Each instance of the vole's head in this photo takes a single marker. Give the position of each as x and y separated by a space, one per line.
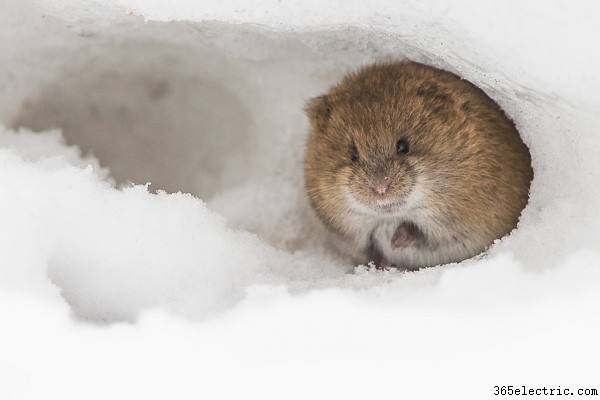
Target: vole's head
368 163
378 139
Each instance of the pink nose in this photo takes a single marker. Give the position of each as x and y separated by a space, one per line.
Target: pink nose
380 186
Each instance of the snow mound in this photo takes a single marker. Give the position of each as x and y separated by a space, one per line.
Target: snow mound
221 250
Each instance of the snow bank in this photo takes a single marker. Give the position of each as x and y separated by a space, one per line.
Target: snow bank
232 288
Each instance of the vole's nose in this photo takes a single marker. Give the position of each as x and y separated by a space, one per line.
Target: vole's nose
380 185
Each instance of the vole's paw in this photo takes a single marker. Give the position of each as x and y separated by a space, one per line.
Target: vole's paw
407 234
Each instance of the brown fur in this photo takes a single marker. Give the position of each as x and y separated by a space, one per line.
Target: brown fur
464 153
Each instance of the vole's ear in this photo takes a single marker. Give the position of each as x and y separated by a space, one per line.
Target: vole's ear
318 110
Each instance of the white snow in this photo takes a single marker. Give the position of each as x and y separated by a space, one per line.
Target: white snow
215 281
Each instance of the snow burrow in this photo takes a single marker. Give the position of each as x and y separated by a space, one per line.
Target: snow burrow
215 110
209 103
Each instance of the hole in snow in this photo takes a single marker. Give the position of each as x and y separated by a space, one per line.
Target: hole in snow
216 110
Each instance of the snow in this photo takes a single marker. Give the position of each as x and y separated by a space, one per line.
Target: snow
215 281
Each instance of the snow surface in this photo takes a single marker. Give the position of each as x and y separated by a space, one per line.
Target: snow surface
215 281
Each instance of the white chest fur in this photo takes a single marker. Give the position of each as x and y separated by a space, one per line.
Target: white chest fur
370 233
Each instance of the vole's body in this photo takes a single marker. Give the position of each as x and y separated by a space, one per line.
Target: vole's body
411 166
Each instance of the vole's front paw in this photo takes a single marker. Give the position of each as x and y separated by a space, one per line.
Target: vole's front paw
407 234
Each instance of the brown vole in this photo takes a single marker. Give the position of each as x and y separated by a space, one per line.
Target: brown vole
411 166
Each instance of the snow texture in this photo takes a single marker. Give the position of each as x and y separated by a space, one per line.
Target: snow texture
215 281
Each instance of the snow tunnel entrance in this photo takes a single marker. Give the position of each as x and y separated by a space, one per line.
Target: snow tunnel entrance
216 110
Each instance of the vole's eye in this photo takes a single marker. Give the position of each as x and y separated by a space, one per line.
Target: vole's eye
353 153
402 146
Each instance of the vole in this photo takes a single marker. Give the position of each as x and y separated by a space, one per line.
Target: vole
411 166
